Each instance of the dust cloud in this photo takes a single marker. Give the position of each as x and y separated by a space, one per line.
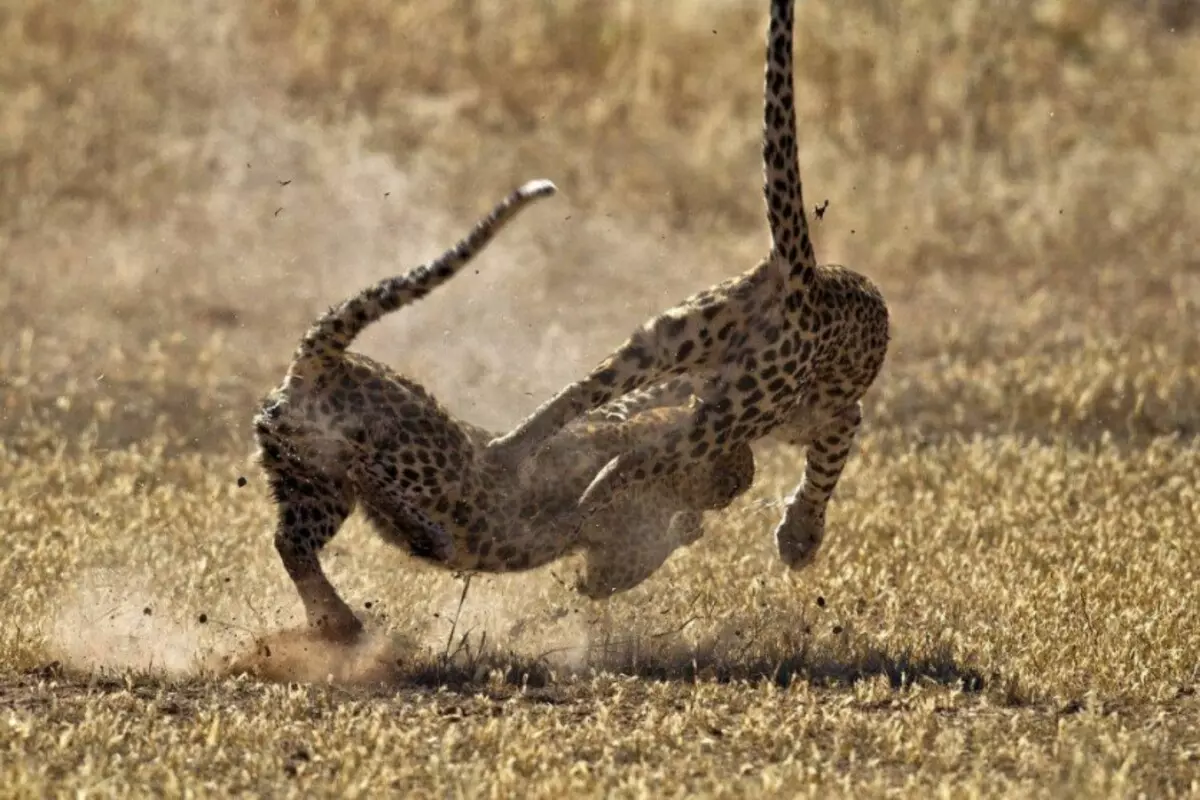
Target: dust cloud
288 216
114 621
494 625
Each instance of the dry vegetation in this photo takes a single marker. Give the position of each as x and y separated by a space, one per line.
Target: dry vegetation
1006 603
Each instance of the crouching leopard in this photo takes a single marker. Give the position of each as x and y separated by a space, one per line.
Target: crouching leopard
786 349
343 431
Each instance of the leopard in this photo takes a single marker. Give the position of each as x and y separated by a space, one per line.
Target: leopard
343 432
784 351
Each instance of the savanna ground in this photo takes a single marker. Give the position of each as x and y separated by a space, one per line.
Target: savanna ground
1006 601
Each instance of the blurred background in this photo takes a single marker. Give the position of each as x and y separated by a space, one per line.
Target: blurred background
185 185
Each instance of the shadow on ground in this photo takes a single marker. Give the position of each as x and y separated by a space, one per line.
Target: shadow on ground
380 658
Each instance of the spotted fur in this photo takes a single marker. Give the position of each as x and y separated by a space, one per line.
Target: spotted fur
786 349
343 431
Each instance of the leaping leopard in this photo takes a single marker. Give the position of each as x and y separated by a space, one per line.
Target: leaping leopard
785 349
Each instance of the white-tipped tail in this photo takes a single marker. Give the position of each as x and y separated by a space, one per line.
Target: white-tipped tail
335 330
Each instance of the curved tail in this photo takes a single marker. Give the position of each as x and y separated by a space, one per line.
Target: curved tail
790 242
336 329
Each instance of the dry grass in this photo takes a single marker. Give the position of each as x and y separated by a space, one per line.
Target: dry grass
1006 602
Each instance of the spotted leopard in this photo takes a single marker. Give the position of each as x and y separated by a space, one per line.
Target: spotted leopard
343 431
786 349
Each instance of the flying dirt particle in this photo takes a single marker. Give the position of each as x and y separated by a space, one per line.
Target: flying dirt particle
281 209
140 630
852 230
367 605
1072 707
820 601
285 183
535 676
387 194
292 767
819 210
203 618
46 672
241 481
837 629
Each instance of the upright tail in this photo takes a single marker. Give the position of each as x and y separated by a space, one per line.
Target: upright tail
790 243
335 330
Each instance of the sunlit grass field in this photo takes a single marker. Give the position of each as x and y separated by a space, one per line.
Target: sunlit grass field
1005 604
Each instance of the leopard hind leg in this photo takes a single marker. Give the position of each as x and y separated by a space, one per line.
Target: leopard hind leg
397 519
801 531
311 508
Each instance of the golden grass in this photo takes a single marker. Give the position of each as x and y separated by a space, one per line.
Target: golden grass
1005 604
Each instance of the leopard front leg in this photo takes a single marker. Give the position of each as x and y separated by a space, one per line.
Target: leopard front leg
627 543
705 460
659 352
799 535
612 569
687 527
